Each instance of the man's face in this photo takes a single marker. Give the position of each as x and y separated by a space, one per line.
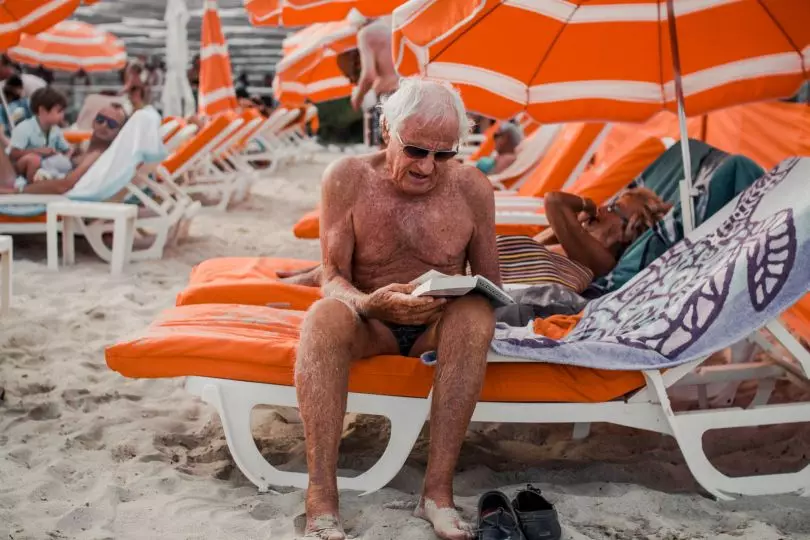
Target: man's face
108 123
417 174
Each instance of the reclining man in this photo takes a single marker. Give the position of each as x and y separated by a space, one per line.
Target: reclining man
106 126
389 217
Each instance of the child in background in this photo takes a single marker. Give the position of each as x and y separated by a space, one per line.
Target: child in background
38 143
17 104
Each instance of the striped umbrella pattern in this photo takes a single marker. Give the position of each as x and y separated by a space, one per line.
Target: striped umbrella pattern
19 17
304 12
216 93
71 46
309 68
605 59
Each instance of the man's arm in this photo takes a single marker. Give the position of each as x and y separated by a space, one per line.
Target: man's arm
562 211
368 66
482 251
62 186
338 189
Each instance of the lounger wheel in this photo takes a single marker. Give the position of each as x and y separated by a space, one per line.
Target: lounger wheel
235 400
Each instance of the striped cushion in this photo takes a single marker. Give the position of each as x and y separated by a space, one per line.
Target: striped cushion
522 260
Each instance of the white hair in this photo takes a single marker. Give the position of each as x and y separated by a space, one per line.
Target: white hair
435 102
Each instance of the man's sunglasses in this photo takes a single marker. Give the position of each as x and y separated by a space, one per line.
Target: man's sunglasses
112 124
415 152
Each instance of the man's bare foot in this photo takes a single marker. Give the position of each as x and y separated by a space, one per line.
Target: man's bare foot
325 527
447 522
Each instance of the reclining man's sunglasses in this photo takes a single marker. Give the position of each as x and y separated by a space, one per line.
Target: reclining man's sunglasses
112 124
415 152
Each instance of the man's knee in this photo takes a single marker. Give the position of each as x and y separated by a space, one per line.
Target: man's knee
330 323
473 315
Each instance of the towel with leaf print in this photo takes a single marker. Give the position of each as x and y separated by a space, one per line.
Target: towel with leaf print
729 277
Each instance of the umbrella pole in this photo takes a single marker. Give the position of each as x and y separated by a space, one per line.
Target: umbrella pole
687 207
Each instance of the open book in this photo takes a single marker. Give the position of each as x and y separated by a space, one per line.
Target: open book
436 284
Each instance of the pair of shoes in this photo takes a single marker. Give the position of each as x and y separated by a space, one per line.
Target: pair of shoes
529 516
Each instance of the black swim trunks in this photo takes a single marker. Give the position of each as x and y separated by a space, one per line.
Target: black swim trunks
406 335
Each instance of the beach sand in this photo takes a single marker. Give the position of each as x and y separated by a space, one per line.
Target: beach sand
88 454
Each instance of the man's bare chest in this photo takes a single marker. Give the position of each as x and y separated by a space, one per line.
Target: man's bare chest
438 229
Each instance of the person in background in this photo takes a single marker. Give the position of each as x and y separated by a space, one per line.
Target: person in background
507 140
40 138
106 126
243 81
377 72
6 67
16 105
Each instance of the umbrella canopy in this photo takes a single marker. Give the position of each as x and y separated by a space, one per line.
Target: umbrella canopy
216 93
605 59
177 98
323 82
71 46
301 12
309 69
31 17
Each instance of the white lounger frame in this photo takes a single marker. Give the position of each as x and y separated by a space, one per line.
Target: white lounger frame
648 408
6 258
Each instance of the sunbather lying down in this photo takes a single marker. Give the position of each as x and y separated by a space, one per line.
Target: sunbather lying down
584 241
106 126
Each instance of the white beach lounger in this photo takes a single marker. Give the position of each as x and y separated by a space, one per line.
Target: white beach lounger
731 277
6 262
111 178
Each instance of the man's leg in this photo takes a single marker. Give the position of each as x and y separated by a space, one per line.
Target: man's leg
462 340
332 335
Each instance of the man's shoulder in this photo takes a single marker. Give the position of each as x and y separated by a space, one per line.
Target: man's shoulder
472 181
347 173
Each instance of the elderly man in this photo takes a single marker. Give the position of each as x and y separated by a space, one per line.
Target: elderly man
389 217
106 125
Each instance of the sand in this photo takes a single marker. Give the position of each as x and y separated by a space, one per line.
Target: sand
88 454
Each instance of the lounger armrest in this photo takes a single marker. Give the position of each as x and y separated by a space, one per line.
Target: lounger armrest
508 217
23 198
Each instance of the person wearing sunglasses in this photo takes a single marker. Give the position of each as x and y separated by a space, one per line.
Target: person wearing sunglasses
584 240
106 126
387 218
507 142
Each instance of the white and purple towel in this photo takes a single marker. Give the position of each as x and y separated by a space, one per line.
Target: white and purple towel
730 277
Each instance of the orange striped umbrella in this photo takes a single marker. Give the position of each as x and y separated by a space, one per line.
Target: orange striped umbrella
324 82
71 46
31 17
302 12
605 59
310 69
216 80
614 60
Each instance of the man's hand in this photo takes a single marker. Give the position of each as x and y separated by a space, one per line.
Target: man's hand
45 152
394 303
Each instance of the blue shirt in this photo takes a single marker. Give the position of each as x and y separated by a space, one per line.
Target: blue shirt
28 135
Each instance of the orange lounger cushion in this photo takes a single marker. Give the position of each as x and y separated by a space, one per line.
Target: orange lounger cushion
249 281
39 218
309 226
258 344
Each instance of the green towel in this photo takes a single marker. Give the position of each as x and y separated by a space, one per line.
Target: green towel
718 178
